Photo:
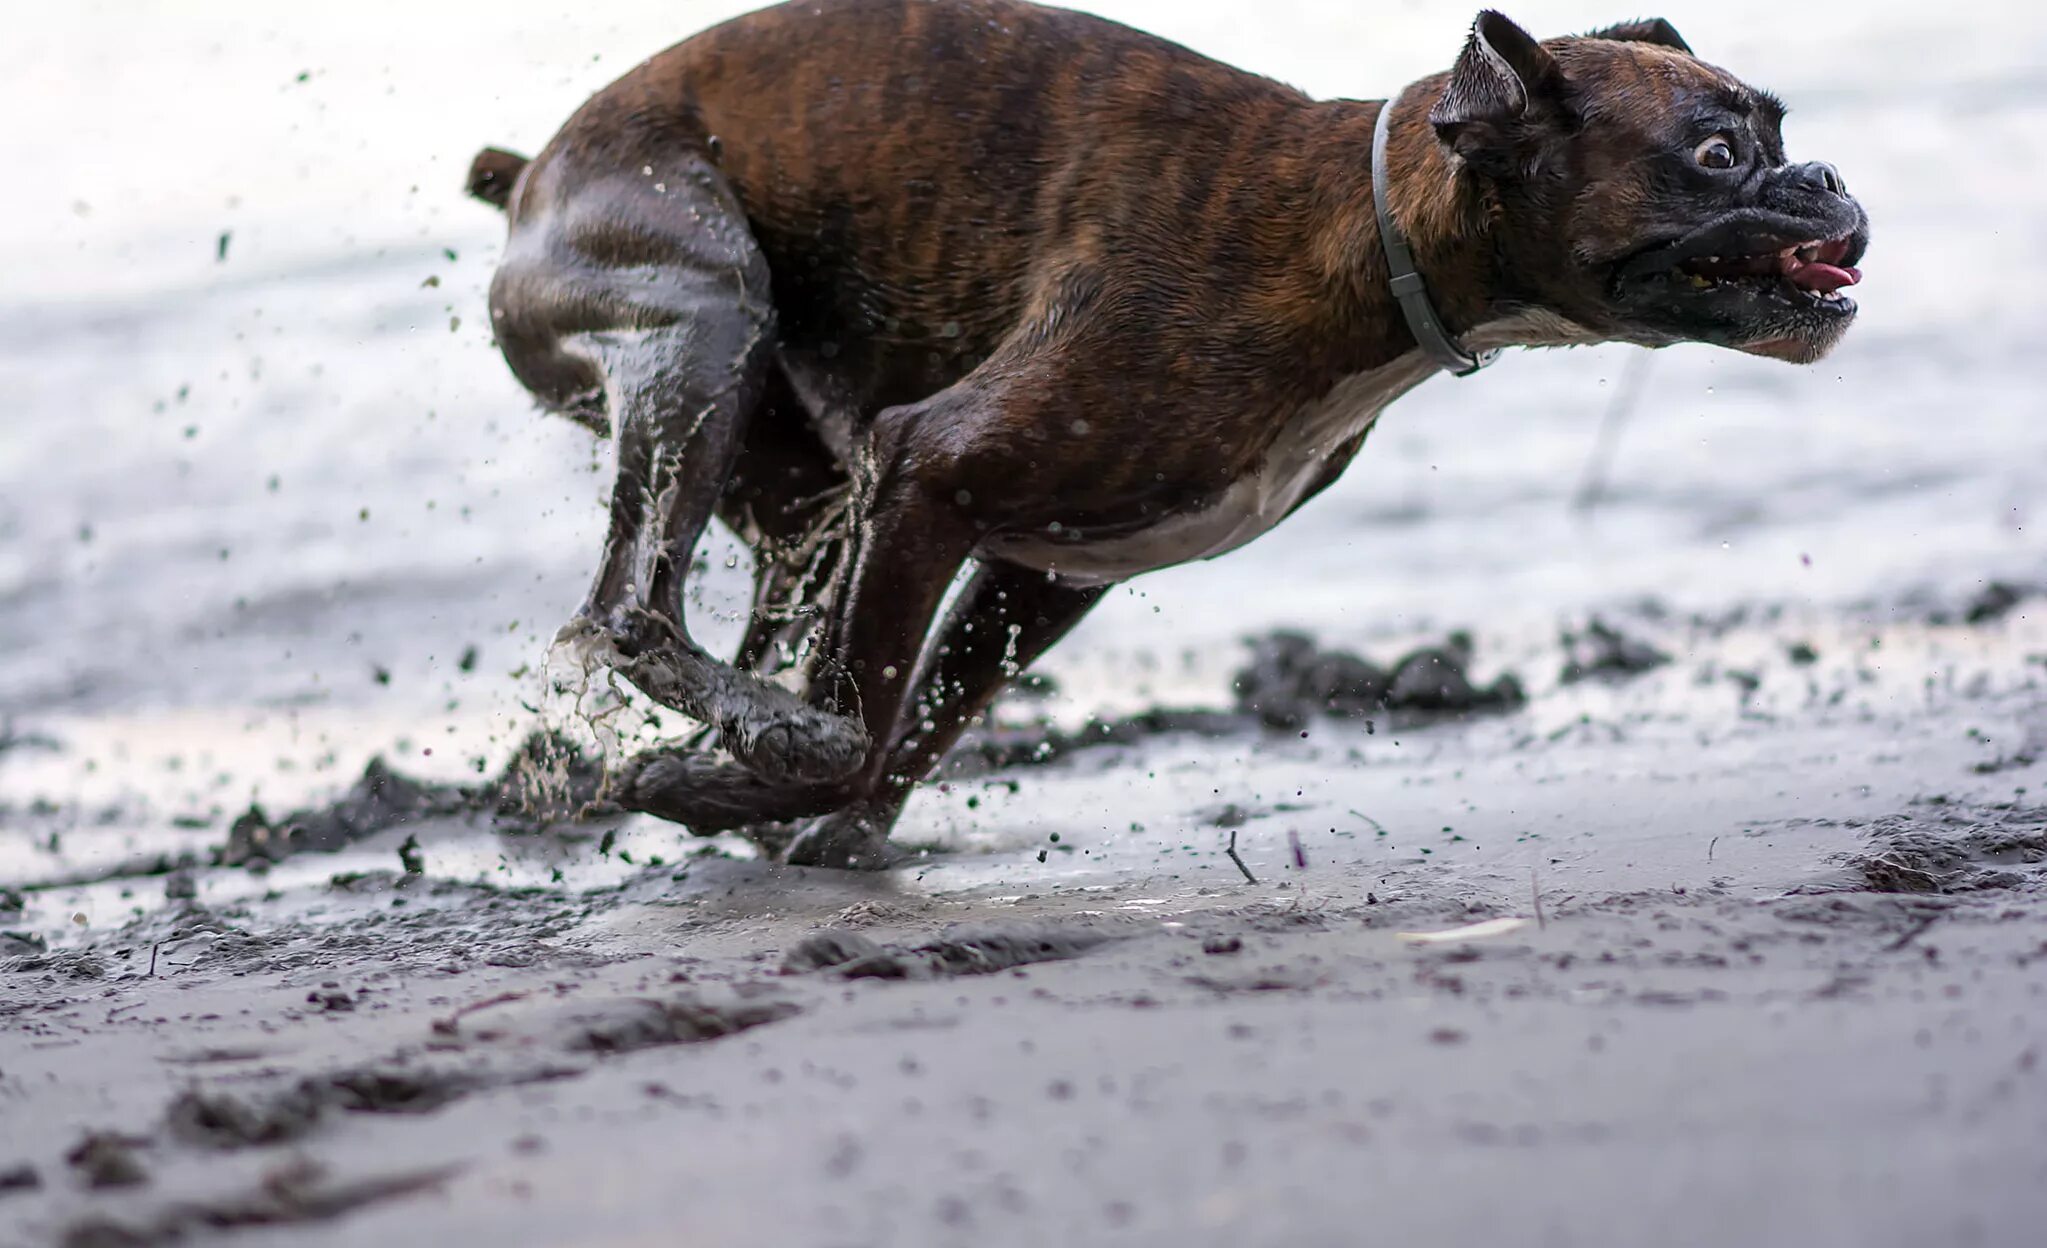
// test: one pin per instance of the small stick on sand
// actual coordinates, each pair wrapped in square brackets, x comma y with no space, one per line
[1535,891]
[152,958]
[1912,933]
[1709,848]
[1232,852]
[446,1026]
[1378,827]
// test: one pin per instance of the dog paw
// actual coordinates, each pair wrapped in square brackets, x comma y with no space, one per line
[708,796]
[854,839]
[588,644]
[770,731]
[800,746]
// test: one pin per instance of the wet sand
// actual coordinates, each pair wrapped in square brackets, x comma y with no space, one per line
[1781,983]
[1763,817]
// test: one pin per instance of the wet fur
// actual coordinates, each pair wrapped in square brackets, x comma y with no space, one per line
[1006,285]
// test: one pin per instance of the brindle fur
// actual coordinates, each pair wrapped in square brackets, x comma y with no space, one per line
[896,286]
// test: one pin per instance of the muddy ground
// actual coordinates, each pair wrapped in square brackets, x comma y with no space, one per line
[294,950]
[1782,982]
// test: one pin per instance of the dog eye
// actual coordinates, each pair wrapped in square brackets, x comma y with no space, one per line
[1715,153]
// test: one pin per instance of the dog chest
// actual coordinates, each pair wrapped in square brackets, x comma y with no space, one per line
[1252,504]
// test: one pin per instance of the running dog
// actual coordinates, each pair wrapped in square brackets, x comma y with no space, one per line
[897,288]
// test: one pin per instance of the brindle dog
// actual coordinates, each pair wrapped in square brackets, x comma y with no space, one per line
[901,287]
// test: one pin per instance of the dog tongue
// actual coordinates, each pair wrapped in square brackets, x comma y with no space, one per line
[1812,275]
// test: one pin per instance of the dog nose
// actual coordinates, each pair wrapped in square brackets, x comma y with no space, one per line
[1821,176]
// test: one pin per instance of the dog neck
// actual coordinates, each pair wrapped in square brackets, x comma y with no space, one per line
[1448,227]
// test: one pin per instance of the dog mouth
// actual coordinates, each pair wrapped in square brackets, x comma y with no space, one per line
[1759,281]
[1817,269]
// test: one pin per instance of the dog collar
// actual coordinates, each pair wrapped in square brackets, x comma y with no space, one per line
[1409,291]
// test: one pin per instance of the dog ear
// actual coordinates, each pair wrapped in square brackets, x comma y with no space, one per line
[1501,75]
[1645,30]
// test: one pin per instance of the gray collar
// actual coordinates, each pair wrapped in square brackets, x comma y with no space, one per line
[1406,284]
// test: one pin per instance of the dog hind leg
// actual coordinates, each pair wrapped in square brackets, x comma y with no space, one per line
[683,358]
[788,498]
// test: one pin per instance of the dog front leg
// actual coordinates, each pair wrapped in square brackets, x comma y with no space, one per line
[685,392]
[907,548]
[1003,619]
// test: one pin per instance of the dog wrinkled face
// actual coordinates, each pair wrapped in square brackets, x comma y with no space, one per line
[1647,195]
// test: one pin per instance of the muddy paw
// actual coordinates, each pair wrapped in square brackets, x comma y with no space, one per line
[593,643]
[770,731]
[850,840]
[800,746]
[587,642]
[707,796]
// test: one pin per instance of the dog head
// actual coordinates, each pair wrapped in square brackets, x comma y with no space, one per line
[1646,195]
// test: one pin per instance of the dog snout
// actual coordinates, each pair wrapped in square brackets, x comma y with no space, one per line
[1818,175]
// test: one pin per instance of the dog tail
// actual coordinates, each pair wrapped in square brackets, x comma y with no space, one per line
[493,173]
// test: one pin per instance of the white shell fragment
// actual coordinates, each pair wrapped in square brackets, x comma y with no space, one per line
[1470,931]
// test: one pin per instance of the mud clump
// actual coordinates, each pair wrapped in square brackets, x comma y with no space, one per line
[1605,653]
[694,1019]
[106,1159]
[380,1090]
[217,1120]
[10,739]
[830,948]
[687,1020]
[548,779]
[1987,605]
[65,963]
[220,1121]
[977,951]
[22,944]
[296,1193]
[985,951]
[1994,601]
[1434,680]
[1971,856]
[380,799]
[625,1024]
[1290,680]
[616,1027]
[996,747]
[224,1122]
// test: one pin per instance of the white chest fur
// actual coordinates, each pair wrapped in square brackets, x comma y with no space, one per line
[1251,505]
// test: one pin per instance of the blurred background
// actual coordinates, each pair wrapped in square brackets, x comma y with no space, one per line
[270,501]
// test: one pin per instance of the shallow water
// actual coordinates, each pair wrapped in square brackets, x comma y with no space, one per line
[270,503]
